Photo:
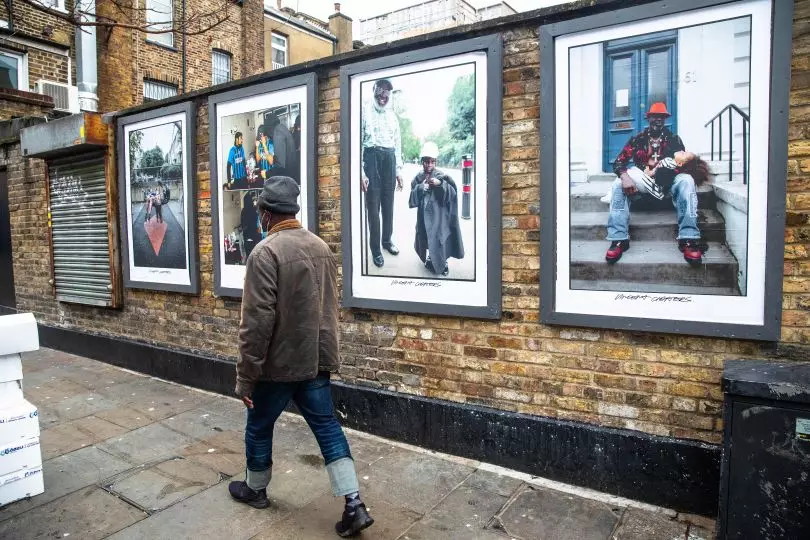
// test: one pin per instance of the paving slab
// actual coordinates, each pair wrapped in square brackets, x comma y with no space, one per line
[699,533]
[544,513]
[68,473]
[317,521]
[73,408]
[126,417]
[165,484]
[209,514]
[640,525]
[223,452]
[298,480]
[147,444]
[158,399]
[366,451]
[465,510]
[90,513]
[492,482]
[423,531]
[64,438]
[412,480]
[200,424]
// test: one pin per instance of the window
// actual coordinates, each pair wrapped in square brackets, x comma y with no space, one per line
[154,91]
[279,44]
[159,17]
[13,70]
[220,67]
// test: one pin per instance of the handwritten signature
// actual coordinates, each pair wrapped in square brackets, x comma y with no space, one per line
[414,283]
[651,298]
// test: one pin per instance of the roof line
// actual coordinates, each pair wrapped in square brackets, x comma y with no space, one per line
[303,25]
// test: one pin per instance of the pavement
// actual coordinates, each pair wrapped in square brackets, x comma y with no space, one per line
[127,456]
[159,245]
[407,263]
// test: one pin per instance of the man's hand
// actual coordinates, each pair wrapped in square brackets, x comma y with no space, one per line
[364,183]
[435,182]
[628,186]
[247,401]
[399,183]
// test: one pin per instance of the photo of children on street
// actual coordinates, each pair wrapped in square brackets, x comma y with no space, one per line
[255,146]
[417,144]
[157,197]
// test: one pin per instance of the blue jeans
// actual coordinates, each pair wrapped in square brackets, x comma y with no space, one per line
[684,198]
[314,400]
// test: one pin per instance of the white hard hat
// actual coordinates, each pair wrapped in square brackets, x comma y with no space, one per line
[430,150]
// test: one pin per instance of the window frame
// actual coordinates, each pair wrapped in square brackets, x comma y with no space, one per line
[22,68]
[286,49]
[159,39]
[223,54]
[147,99]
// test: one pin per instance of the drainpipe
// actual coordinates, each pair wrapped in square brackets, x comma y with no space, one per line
[87,59]
[185,45]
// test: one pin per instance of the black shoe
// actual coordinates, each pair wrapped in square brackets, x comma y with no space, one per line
[378,261]
[241,492]
[446,270]
[391,248]
[614,252]
[355,519]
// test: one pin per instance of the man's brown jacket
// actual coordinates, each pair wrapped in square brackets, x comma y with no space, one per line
[289,327]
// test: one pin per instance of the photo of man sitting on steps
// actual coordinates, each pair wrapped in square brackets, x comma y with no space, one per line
[654,164]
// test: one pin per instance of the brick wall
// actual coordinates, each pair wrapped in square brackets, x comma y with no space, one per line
[127,57]
[301,46]
[19,104]
[660,384]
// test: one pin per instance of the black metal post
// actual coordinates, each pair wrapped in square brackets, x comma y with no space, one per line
[730,145]
[466,185]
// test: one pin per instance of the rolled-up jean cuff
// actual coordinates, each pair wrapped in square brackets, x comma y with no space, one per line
[343,477]
[257,480]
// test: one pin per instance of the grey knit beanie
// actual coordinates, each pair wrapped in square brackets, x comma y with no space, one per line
[280,195]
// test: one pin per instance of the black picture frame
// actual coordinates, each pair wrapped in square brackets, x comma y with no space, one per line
[193,266]
[779,86]
[492,46]
[308,80]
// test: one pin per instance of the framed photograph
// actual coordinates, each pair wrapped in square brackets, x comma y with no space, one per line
[157,197]
[258,132]
[421,180]
[663,165]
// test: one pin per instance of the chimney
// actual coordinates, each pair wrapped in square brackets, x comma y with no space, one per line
[340,26]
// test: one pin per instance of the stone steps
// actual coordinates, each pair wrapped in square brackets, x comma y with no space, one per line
[634,287]
[653,225]
[650,264]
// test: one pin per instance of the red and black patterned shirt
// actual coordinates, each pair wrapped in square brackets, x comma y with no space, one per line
[637,151]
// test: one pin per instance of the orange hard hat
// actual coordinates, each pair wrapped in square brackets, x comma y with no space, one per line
[658,108]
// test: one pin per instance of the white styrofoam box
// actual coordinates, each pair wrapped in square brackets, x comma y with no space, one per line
[10,393]
[18,333]
[21,484]
[18,421]
[10,368]
[20,454]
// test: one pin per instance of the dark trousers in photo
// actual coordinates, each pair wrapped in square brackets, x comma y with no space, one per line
[380,167]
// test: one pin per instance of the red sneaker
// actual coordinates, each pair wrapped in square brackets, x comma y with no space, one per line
[614,252]
[691,251]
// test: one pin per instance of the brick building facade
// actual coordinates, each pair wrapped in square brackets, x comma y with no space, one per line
[666,385]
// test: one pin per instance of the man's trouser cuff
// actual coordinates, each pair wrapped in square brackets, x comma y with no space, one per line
[343,477]
[257,480]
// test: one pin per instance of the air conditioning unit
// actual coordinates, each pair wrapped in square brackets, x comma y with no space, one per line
[65,97]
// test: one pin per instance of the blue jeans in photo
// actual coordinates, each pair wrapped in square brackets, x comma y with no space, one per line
[684,198]
[314,399]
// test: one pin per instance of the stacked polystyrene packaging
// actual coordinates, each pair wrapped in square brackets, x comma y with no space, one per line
[20,455]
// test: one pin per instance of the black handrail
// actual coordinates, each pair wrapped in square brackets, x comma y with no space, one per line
[731,108]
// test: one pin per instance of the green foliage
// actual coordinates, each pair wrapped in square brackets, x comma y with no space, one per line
[135,141]
[458,136]
[410,144]
[152,159]
[171,171]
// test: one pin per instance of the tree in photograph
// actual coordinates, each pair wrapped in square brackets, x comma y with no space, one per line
[152,161]
[457,137]
[410,144]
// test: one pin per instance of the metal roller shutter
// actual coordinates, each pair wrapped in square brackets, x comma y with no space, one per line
[79,232]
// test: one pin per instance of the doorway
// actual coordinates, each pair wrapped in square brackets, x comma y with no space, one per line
[639,71]
[7,297]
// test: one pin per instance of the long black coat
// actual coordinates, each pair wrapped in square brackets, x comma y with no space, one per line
[437,228]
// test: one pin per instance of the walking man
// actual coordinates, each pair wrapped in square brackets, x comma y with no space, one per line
[382,168]
[639,175]
[237,170]
[288,345]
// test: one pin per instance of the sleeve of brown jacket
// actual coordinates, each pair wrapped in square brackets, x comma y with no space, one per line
[258,318]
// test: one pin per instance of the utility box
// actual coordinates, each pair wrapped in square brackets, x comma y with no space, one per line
[765,475]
